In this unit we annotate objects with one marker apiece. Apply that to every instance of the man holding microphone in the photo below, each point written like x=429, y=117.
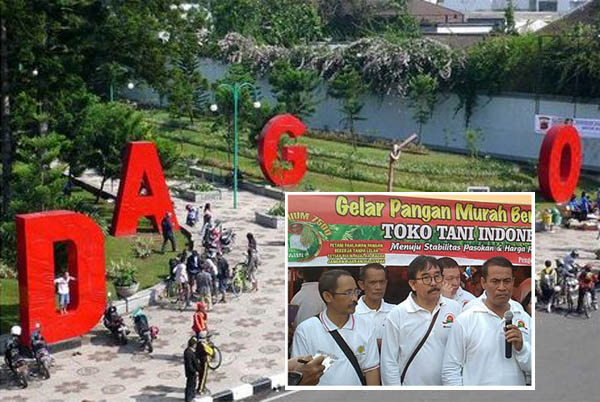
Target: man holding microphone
x=490, y=343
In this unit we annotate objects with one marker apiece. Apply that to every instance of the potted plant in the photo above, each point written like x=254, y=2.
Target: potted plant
x=123, y=274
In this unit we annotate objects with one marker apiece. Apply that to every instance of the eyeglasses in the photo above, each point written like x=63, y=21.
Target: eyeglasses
x=428, y=279
x=348, y=293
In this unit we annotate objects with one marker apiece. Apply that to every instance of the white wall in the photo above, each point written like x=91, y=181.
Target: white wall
x=506, y=121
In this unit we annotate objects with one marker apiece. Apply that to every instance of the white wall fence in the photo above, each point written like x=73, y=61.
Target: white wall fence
x=506, y=121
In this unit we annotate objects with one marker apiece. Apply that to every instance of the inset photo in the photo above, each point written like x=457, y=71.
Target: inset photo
x=421, y=290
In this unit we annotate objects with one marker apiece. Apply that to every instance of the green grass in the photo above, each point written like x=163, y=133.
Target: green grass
x=435, y=171
x=151, y=270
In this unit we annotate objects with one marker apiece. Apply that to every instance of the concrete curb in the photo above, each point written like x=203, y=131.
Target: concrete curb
x=259, y=386
x=267, y=191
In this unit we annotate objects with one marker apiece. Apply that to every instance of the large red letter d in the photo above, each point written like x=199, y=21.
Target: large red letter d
x=36, y=235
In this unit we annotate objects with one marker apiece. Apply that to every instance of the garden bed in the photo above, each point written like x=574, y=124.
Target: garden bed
x=199, y=196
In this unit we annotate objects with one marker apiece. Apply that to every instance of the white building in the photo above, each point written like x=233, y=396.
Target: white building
x=466, y=6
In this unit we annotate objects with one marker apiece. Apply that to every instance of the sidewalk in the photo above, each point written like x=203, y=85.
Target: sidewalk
x=251, y=332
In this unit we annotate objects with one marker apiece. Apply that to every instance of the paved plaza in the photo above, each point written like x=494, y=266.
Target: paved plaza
x=251, y=332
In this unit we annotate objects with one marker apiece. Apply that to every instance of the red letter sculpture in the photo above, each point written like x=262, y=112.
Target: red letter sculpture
x=141, y=168
x=36, y=235
x=560, y=163
x=268, y=146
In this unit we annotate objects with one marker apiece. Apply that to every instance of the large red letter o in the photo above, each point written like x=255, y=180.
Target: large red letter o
x=269, y=143
x=560, y=163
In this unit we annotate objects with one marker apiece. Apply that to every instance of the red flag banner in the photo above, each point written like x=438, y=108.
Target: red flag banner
x=356, y=229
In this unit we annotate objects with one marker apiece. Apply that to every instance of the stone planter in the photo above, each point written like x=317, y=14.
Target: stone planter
x=127, y=291
x=269, y=221
x=199, y=196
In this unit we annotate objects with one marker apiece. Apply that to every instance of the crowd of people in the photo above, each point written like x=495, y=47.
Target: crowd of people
x=439, y=335
x=582, y=206
x=587, y=279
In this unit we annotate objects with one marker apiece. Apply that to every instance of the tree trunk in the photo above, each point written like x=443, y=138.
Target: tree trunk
x=5, y=116
x=390, y=175
x=100, y=190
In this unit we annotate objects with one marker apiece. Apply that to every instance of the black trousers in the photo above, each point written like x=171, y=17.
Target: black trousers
x=170, y=238
x=190, y=388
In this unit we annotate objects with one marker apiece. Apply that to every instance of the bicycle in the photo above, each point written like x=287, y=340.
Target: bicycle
x=239, y=279
x=169, y=292
x=214, y=357
x=183, y=296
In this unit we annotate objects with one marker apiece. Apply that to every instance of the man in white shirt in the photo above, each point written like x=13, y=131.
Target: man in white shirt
x=313, y=336
x=372, y=279
x=475, y=354
x=408, y=324
x=451, y=286
x=308, y=299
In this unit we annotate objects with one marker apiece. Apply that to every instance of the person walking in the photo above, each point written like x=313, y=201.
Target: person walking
x=202, y=358
x=204, y=285
x=200, y=321
x=252, y=261
x=192, y=367
x=223, y=276
x=167, y=232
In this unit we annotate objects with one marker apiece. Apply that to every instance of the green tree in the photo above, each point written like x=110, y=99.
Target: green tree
x=422, y=98
x=294, y=89
x=276, y=22
x=224, y=100
x=107, y=129
x=509, y=17
x=187, y=86
x=290, y=22
x=348, y=87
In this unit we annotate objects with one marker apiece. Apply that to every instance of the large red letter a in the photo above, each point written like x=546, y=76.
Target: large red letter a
x=141, y=167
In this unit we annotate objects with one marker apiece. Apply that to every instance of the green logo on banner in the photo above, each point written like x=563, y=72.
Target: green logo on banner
x=304, y=242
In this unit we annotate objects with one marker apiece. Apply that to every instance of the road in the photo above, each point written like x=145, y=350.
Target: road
x=567, y=356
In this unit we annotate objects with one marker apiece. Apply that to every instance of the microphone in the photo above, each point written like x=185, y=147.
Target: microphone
x=508, y=316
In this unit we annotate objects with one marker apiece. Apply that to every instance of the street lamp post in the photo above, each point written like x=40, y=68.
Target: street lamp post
x=236, y=89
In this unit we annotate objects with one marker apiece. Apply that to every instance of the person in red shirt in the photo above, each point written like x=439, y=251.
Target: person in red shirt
x=587, y=283
x=200, y=321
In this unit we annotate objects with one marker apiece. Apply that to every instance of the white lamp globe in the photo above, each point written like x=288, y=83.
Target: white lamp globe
x=214, y=107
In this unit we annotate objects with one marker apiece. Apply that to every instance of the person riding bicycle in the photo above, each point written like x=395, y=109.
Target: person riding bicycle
x=200, y=323
x=587, y=283
x=544, y=289
x=14, y=347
